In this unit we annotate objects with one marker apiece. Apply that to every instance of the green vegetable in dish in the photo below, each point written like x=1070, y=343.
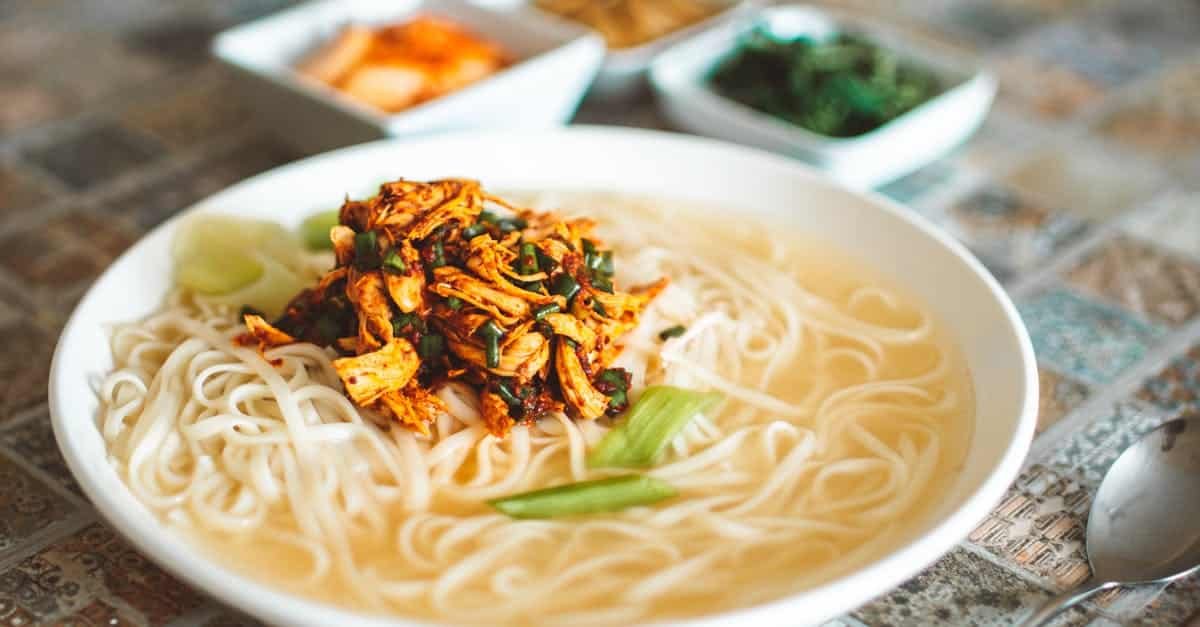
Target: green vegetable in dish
x=315, y=230
x=658, y=416
x=842, y=87
x=589, y=497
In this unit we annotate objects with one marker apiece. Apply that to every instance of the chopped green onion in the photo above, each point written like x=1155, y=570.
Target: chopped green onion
x=491, y=334
x=508, y=225
x=393, y=261
x=613, y=376
x=527, y=262
x=658, y=416
x=489, y=217
x=454, y=303
x=366, y=250
x=589, y=497
x=541, y=312
x=671, y=332
x=506, y=393
x=407, y=319
x=473, y=231
x=315, y=230
x=607, y=267
x=431, y=346
x=602, y=283
x=566, y=286
x=546, y=262
x=589, y=247
x=439, y=254
x=327, y=329
x=599, y=308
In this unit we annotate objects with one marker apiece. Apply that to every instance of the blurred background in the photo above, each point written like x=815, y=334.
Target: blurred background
x=1080, y=191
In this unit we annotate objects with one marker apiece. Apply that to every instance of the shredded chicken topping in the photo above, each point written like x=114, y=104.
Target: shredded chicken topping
x=441, y=281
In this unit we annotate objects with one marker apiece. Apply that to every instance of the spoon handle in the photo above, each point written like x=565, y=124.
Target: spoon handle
x=1065, y=600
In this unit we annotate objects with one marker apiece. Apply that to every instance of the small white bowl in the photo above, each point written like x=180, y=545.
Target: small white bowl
x=680, y=79
x=556, y=63
x=929, y=263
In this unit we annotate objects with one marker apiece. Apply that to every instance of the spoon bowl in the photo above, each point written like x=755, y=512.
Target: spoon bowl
x=1144, y=525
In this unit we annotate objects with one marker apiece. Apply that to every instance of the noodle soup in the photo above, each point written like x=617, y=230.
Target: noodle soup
x=846, y=412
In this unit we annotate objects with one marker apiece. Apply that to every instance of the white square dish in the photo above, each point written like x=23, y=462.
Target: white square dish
x=680, y=80
x=556, y=62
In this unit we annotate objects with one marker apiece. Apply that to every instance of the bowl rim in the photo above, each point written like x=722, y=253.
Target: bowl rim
x=149, y=536
x=568, y=36
x=962, y=77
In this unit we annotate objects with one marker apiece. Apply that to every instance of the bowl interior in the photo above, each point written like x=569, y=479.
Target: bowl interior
x=928, y=263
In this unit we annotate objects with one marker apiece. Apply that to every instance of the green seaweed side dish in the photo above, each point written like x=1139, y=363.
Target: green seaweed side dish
x=842, y=87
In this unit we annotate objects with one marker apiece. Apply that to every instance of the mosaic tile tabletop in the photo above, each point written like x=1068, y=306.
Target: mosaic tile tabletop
x=1081, y=193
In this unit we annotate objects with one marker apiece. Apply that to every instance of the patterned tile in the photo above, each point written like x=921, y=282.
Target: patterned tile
x=28, y=104
x=1169, y=25
x=33, y=441
x=1162, y=121
x=1057, y=396
x=1040, y=525
x=230, y=618
x=1177, y=386
x=95, y=154
x=1011, y=232
x=91, y=66
x=923, y=183
x=199, y=111
x=961, y=589
x=26, y=509
x=1174, y=606
x=1172, y=221
x=67, y=251
x=1087, y=340
x=1141, y=278
x=159, y=200
x=24, y=366
x=1086, y=179
x=18, y=191
x=1066, y=66
x=1004, y=137
x=990, y=23
x=183, y=42
x=1091, y=450
x=69, y=576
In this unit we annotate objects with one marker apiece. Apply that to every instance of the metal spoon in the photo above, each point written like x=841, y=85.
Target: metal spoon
x=1145, y=522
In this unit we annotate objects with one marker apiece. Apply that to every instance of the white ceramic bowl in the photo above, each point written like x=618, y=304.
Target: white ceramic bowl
x=557, y=61
x=932, y=265
x=680, y=75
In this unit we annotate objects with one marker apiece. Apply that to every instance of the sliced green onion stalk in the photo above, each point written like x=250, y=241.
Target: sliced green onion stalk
x=589, y=497
x=649, y=426
x=671, y=332
x=394, y=262
x=566, y=286
x=439, y=254
x=454, y=303
x=314, y=231
x=366, y=250
x=491, y=334
x=431, y=346
x=473, y=231
x=505, y=391
x=540, y=313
